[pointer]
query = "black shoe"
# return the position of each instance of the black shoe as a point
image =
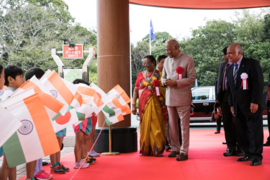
(256, 162)
(244, 158)
(240, 152)
(173, 154)
(224, 143)
(217, 132)
(230, 152)
(266, 144)
(167, 148)
(44, 163)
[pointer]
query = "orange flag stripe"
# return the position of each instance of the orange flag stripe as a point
(86, 91)
(97, 100)
(122, 93)
(125, 108)
(46, 99)
(120, 117)
(79, 98)
(92, 93)
(60, 86)
(42, 123)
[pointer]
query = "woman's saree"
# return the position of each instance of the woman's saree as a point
(153, 114)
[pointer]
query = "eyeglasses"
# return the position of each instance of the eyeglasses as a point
(146, 63)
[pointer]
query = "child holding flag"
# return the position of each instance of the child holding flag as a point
(13, 80)
(35, 167)
(82, 143)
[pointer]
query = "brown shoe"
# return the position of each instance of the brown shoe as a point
(182, 157)
(173, 154)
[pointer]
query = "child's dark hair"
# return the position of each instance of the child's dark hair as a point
(161, 57)
(77, 81)
(35, 71)
(1, 69)
(12, 71)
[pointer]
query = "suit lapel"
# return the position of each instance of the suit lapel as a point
(230, 75)
(240, 71)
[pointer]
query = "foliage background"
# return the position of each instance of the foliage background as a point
(29, 29)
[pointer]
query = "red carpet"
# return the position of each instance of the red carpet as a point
(206, 162)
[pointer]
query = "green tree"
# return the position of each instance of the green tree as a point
(205, 47)
(158, 46)
(137, 54)
(30, 29)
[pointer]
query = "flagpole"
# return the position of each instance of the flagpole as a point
(110, 145)
(150, 43)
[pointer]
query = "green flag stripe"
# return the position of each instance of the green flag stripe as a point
(109, 111)
(69, 108)
(81, 116)
(13, 151)
(109, 123)
(56, 116)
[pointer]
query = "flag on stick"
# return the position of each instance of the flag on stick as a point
(35, 138)
(117, 106)
(62, 90)
(122, 97)
(112, 113)
(152, 35)
(53, 106)
(92, 101)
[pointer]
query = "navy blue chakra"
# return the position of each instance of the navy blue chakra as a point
(26, 127)
(54, 93)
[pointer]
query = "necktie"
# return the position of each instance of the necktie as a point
(224, 78)
(235, 73)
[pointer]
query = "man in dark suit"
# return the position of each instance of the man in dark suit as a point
(245, 86)
(223, 103)
(267, 103)
(217, 115)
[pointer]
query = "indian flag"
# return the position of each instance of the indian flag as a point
(103, 98)
(52, 105)
(122, 101)
(60, 89)
(9, 125)
(35, 138)
(112, 113)
(92, 101)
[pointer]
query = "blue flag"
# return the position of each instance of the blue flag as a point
(152, 35)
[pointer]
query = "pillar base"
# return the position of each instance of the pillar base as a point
(123, 140)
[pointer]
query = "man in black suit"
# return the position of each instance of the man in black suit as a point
(267, 102)
(223, 103)
(217, 115)
(245, 86)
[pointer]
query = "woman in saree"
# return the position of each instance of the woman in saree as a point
(152, 109)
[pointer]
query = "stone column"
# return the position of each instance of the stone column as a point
(113, 49)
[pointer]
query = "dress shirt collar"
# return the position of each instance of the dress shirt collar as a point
(239, 62)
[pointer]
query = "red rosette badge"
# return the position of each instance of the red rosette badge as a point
(156, 84)
(179, 71)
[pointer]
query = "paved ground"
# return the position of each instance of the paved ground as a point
(69, 142)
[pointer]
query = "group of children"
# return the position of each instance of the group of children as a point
(12, 77)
